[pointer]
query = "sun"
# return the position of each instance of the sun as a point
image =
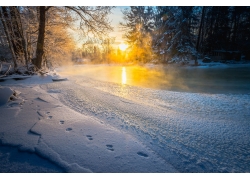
(123, 46)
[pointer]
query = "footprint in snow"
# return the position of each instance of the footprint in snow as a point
(89, 137)
(41, 99)
(50, 117)
(61, 122)
(15, 104)
(39, 113)
(110, 147)
(69, 129)
(142, 154)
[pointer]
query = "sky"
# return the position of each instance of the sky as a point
(116, 18)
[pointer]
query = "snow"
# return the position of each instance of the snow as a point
(24, 162)
(41, 124)
(5, 94)
(86, 125)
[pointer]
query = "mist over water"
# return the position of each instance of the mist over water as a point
(182, 79)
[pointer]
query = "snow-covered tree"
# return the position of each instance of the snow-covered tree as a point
(138, 26)
(175, 33)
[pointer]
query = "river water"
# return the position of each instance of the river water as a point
(233, 79)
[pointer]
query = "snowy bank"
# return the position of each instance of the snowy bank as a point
(87, 125)
(5, 94)
(40, 124)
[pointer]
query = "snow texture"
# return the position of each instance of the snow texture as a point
(41, 124)
(5, 94)
(111, 127)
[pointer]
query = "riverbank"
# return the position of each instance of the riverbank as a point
(59, 139)
(84, 124)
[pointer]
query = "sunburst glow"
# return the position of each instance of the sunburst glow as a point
(123, 46)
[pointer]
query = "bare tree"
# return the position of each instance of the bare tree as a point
(8, 34)
(93, 20)
(40, 41)
(18, 31)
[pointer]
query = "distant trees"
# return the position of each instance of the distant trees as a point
(107, 49)
(99, 51)
(91, 51)
(227, 29)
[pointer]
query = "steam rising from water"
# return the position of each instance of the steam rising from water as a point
(187, 79)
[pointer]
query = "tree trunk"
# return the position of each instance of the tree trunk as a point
(236, 21)
(2, 39)
(23, 41)
(6, 29)
(40, 41)
(16, 33)
(28, 41)
(199, 34)
(200, 29)
(28, 46)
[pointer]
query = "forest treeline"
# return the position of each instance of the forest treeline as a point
(41, 35)
(185, 32)
(179, 34)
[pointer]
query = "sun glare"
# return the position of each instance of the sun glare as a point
(123, 47)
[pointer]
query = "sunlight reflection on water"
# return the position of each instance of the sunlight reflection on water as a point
(207, 80)
(124, 75)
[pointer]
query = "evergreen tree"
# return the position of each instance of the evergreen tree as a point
(138, 26)
(176, 32)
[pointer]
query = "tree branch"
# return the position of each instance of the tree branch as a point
(46, 9)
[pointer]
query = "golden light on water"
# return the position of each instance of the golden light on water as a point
(123, 46)
(124, 75)
(151, 77)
